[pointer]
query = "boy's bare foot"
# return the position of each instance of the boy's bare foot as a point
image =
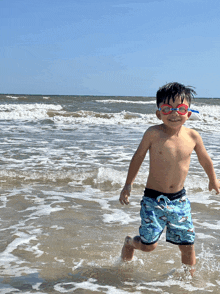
(127, 252)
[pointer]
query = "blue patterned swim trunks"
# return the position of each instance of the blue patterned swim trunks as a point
(166, 210)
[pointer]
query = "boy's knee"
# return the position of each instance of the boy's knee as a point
(143, 247)
(149, 248)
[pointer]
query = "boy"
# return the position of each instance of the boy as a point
(170, 145)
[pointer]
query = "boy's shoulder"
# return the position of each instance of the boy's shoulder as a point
(153, 130)
(193, 134)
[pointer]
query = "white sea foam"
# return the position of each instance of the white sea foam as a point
(124, 118)
(7, 258)
(109, 175)
(43, 209)
(125, 101)
(89, 285)
(16, 97)
(77, 264)
(27, 111)
(204, 236)
(119, 216)
(12, 97)
(209, 225)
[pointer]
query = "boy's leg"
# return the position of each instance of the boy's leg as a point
(188, 254)
(131, 244)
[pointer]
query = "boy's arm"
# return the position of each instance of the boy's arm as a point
(134, 167)
(206, 163)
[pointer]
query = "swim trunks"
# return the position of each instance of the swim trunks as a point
(160, 210)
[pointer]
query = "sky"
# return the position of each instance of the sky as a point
(109, 47)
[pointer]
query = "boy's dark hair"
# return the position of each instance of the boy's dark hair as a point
(174, 90)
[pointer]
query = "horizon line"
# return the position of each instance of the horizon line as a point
(85, 95)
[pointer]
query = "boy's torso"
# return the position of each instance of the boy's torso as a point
(169, 159)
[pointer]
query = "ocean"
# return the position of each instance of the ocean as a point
(64, 161)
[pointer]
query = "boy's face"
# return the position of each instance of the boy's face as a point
(174, 119)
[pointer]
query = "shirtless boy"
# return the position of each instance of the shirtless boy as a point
(164, 203)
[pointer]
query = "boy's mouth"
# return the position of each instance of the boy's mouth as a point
(174, 119)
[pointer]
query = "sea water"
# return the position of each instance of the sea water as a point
(64, 161)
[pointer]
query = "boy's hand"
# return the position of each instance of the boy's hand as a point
(125, 193)
(215, 185)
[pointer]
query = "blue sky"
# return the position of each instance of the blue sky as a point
(109, 47)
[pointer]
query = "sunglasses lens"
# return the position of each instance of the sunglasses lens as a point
(166, 109)
(183, 109)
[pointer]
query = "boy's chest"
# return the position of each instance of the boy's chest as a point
(173, 148)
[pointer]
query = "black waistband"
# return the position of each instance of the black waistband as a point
(171, 196)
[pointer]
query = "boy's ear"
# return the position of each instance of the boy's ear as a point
(158, 114)
(189, 114)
